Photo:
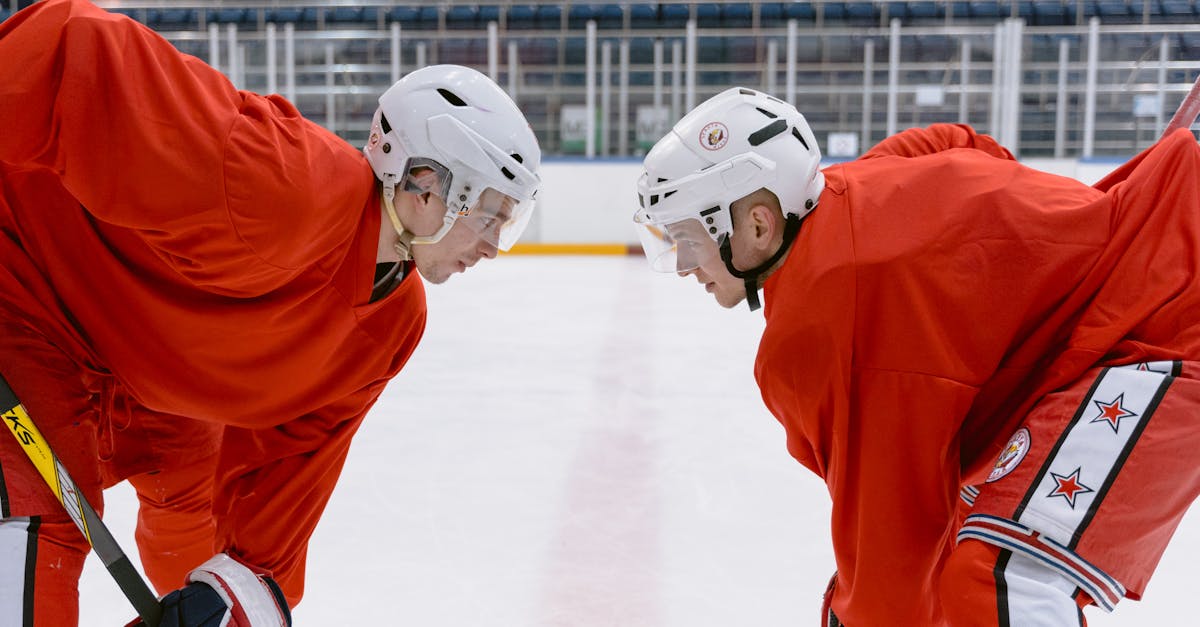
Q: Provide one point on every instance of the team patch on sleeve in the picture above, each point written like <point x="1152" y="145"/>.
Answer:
<point x="1014" y="452"/>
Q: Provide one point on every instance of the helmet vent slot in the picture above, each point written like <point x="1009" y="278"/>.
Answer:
<point x="747" y="92"/>
<point x="667" y="195"/>
<point x="766" y="113"/>
<point x="508" y="174"/>
<point x="767" y="132"/>
<point x="517" y="157"/>
<point x="383" y="124"/>
<point x="452" y="97"/>
<point x="796" y="133"/>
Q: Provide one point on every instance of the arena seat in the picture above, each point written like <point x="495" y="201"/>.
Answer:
<point x="737" y="15"/>
<point x="673" y="15"/>
<point x="708" y="16"/>
<point x="986" y="10"/>
<point x="284" y="15"/>
<point x="406" y="15"/>
<point x="520" y="17"/>
<point x="227" y="15"/>
<point x="923" y="11"/>
<point x="548" y="16"/>
<point x="488" y="13"/>
<point x="607" y="16"/>
<point x="643" y="15"/>
<point x="462" y="17"/>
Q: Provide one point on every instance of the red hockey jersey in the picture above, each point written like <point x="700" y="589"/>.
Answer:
<point x="935" y="293"/>
<point x="206" y="251"/>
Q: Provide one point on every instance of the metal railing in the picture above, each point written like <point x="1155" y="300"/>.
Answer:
<point x="1089" y="89"/>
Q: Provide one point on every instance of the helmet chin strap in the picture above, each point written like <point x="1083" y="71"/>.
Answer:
<point x="406" y="238"/>
<point x="750" y="277"/>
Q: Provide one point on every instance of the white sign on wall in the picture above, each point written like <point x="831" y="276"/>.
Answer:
<point x="1146" y="105"/>
<point x="842" y="145"/>
<point x="930" y="95"/>
<point x="651" y="125"/>
<point x="572" y="128"/>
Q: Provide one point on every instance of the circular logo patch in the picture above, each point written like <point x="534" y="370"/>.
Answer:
<point x="714" y="136"/>
<point x="1011" y="456"/>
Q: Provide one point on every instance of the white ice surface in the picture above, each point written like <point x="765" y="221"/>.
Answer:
<point x="580" y="442"/>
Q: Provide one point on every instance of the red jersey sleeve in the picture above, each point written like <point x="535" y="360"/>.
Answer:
<point x="915" y="142"/>
<point x="273" y="484"/>
<point x="156" y="141"/>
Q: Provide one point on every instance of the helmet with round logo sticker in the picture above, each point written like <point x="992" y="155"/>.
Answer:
<point x="732" y="145"/>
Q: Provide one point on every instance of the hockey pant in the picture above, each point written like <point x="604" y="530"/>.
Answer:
<point x="101" y="439"/>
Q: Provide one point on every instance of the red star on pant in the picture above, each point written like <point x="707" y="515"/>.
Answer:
<point x="1068" y="487"/>
<point x="1113" y="412"/>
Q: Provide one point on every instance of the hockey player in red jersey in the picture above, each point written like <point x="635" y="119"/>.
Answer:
<point x="204" y="293"/>
<point x="994" y="369"/>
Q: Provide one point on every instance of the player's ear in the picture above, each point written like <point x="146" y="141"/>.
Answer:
<point x="766" y="224"/>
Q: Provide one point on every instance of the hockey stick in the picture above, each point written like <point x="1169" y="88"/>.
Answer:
<point x="80" y="511"/>
<point x="1186" y="114"/>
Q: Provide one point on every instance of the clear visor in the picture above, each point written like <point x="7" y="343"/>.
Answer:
<point x="498" y="219"/>
<point x="423" y="175"/>
<point x="676" y="247"/>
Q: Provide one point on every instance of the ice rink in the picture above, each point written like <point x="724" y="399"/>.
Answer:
<point x="580" y="442"/>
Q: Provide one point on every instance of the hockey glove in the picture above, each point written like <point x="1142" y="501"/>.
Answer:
<point x="224" y="593"/>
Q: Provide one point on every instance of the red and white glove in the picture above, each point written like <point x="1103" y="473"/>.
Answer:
<point x="223" y="592"/>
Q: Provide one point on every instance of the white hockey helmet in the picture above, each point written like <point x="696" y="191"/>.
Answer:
<point x="458" y="124"/>
<point x="728" y="147"/>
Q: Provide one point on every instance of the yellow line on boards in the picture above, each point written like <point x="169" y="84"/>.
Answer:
<point x="575" y="249"/>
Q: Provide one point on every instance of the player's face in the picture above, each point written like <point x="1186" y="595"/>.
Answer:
<point x="699" y="256"/>
<point x="472" y="238"/>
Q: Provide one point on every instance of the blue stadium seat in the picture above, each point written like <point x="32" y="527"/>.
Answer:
<point x="710" y="49"/>
<point x="611" y="16"/>
<point x="737" y="15"/>
<point x="987" y="10"/>
<point x="861" y="13"/>
<point x="173" y="18"/>
<point x="488" y="13"/>
<point x="462" y="17"/>
<point x="935" y="47"/>
<point x="520" y="17"/>
<point x="575" y="50"/>
<point x="923" y="11"/>
<point x="1176" y="11"/>
<point x="1189" y="44"/>
<point x="427" y="18"/>
<point x="406" y="15"/>
<point x="1118" y="12"/>
<point x="4" y="14"/>
<point x="641" y="50"/>
<point x="643" y="15"/>
<point x="538" y="51"/>
<point x="801" y="12"/>
<point x="227" y="15"/>
<point x="708" y="16"/>
<point x="548" y="16"/>
<point x="579" y="15"/>
<point x="343" y="15"/>
<point x="834" y="12"/>
<point x="673" y="15"/>
<point x="1049" y="13"/>
<point x="770" y="14"/>
<point x="741" y="50"/>
<point x="461" y="51"/>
